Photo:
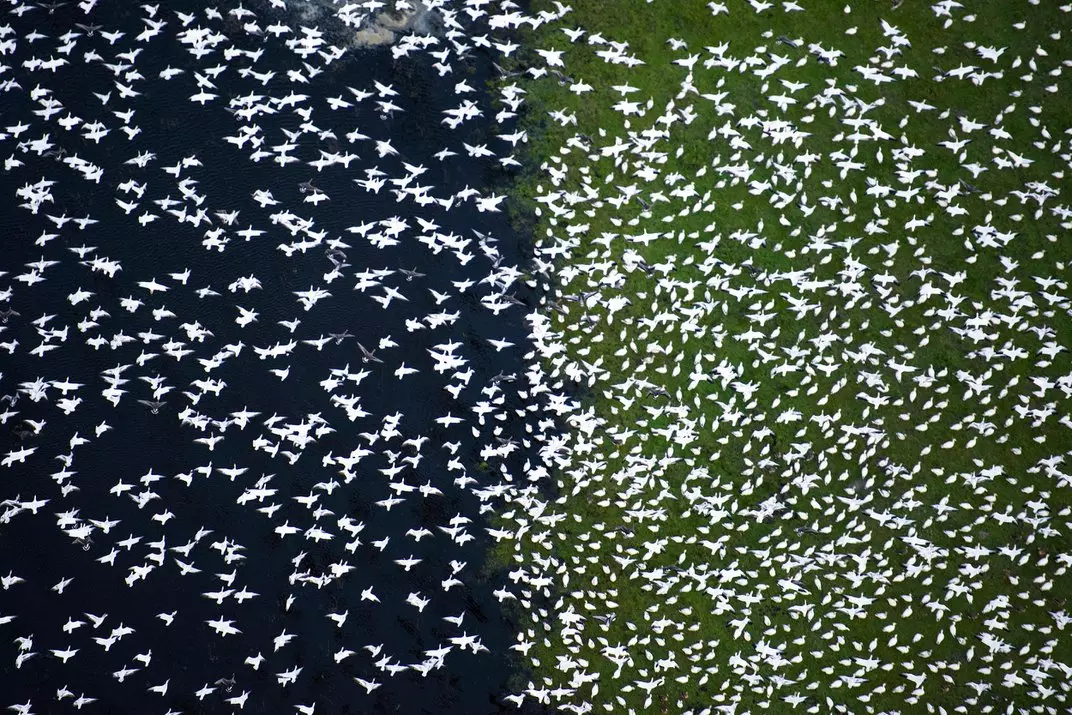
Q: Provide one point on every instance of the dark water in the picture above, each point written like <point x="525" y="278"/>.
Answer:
<point x="189" y="654"/>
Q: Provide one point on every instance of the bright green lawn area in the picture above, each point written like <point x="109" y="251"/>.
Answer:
<point x="914" y="459"/>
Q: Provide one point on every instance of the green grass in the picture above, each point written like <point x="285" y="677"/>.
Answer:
<point x="613" y="474"/>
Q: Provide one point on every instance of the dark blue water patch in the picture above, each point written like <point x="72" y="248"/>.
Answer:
<point x="188" y="654"/>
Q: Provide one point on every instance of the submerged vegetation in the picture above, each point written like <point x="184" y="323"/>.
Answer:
<point x="808" y="266"/>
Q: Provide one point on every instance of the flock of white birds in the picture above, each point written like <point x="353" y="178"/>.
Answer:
<point x="729" y="520"/>
<point x="813" y="275"/>
<point x="175" y="305"/>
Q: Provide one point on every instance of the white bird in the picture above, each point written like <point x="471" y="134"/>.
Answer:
<point x="415" y="600"/>
<point x="368" y="685"/>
